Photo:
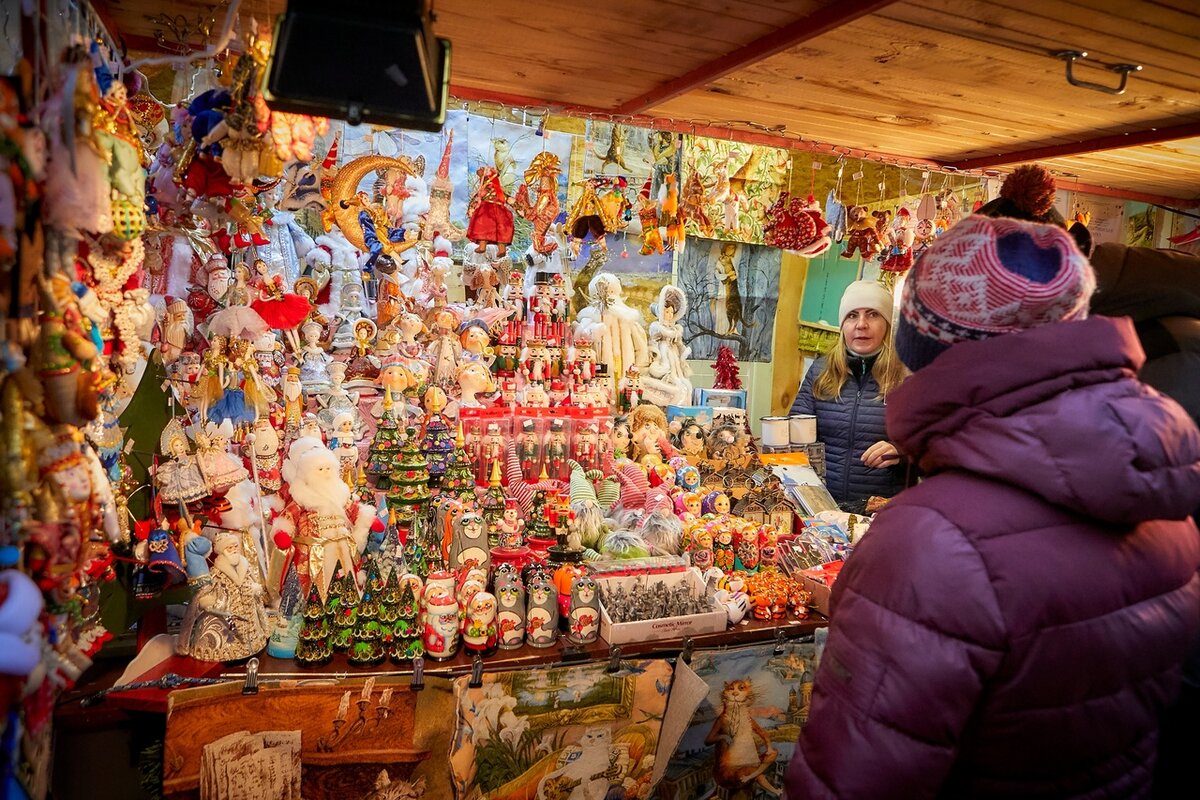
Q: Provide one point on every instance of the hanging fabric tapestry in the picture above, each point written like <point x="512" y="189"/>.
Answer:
<point x="733" y="292"/>
<point x="742" y="736"/>
<point x="562" y="733"/>
<point x="727" y="187"/>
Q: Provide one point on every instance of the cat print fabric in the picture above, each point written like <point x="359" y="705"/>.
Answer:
<point x="742" y="735"/>
<point x="560" y="733"/>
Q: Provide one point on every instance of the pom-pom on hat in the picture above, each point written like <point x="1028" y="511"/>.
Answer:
<point x="985" y="277"/>
<point x="1028" y="194"/>
<point x="866" y="294"/>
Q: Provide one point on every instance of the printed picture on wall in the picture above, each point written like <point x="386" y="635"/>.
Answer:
<point x="642" y="276"/>
<point x="349" y="740"/>
<point x="733" y="293"/>
<point x="726" y="187"/>
<point x="560" y="733"/>
<point x="616" y="149"/>
<point x="744" y="732"/>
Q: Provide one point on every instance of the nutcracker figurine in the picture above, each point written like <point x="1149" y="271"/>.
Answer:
<point x="630" y="390"/>
<point x="541" y="307"/>
<point x="535" y="362"/>
<point x="587" y="446"/>
<point x="560" y="307"/>
<point x="529" y="451"/>
<point x="492" y="449"/>
<point x="555" y="450"/>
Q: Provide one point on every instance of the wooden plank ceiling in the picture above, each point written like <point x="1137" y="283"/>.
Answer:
<point x="956" y="82"/>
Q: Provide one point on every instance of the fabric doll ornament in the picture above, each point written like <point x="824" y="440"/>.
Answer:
<point x="543" y="210"/>
<point x="647" y="212"/>
<point x="797" y="226"/>
<point x="898" y="256"/>
<point x="490" y="220"/>
<point x="179" y="480"/>
<point x="862" y="237"/>
<point x="589" y="216"/>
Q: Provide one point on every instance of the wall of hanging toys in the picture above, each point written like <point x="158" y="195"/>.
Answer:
<point x="365" y="396"/>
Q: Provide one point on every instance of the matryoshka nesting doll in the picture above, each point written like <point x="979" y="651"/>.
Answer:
<point x="479" y="636"/>
<point x="510" y="616"/>
<point x="441" y="627"/>
<point x="701" y="549"/>
<point x="747" y="557"/>
<point x="541" y="616"/>
<point x="469" y="542"/>
<point x="584" y="617"/>
<point x="723" y="553"/>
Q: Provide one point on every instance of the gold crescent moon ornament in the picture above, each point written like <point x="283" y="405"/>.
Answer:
<point x="343" y="202"/>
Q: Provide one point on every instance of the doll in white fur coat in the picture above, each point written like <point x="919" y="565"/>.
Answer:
<point x="322" y="524"/>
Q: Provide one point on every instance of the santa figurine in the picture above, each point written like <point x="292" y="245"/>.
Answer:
<point x="511" y="526"/>
<point x="322" y="525"/>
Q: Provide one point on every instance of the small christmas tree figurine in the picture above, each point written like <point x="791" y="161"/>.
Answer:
<point x="363" y="490"/>
<point x="493" y="506"/>
<point x="537" y="523"/>
<point x="438" y="445"/>
<point x="367" y="647"/>
<point x="314" y="648"/>
<point x="406" y="641"/>
<point x="726" y="370"/>
<point x="385" y="446"/>
<point x="409" y="492"/>
<point x="341" y="608"/>
<point x="459" y="479"/>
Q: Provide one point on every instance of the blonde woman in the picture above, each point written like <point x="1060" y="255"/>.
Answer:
<point x="845" y="389"/>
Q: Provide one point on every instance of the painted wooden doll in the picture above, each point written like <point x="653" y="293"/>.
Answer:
<point x="480" y="634"/>
<point x="541" y="612"/>
<point x="469" y="544"/>
<point x="510" y="619"/>
<point x="584" y="615"/>
<point x="441" y="626"/>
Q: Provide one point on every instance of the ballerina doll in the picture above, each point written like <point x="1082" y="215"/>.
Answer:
<point x="279" y="309"/>
<point x="257" y="392"/>
<point x="179" y="479"/>
<point x="314" y="361"/>
<point x="221" y="470"/>
<point x="214" y="364"/>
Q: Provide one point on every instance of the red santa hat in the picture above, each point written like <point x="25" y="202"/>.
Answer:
<point x="441" y="245"/>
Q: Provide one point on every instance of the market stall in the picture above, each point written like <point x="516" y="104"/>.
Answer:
<point x="377" y="445"/>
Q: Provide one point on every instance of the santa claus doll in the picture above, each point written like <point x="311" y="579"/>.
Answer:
<point x="322" y="525"/>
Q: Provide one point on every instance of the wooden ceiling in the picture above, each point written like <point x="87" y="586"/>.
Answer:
<point x="970" y="83"/>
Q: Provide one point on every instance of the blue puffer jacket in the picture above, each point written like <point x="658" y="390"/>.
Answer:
<point x="848" y="426"/>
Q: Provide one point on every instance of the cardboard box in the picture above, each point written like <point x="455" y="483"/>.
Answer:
<point x="702" y="414"/>
<point x="720" y="397"/>
<point x="652" y="630"/>
<point x="820" y="593"/>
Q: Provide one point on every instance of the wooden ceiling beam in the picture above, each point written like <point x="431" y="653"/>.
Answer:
<point x="828" y="18"/>
<point x="1116" y="141"/>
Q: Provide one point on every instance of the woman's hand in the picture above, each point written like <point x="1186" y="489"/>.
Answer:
<point x="881" y="454"/>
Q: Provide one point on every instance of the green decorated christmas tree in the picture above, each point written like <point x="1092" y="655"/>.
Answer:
<point x="406" y="631"/>
<point x="493" y="506"/>
<point x="341" y="609"/>
<point x="314" y="648"/>
<point x="537" y="524"/>
<point x="438" y="445"/>
<point x="409" y="492"/>
<point x="416" y="556"/>
<point x="385" y="446"/>
<point x="368" y="645"/>
<point x="389" y="605"/>
<point x="459" y="479"/>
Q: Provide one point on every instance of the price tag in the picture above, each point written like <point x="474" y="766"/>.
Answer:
<point x="857" y="176"/>
<point x="816" y="165"/>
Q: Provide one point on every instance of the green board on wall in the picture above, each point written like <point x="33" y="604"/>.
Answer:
<point x="828" y="276"/>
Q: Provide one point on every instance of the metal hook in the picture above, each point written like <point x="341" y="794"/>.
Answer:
<point x="780" y="641"/>
<point x="614" y="659"/>
<point x="418" y="677"/>
<point x="476" y="673"/>
<point x="251" y="684"/>
<point x="1123" y="70"/>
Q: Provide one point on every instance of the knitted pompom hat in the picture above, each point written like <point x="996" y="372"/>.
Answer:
<point x="986" y="277"/>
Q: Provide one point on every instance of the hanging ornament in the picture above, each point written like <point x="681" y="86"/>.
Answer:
<point x="491" y="219"/>
<point x="796" y="226"/>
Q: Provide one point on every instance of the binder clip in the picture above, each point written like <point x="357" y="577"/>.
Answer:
<point x="418" y="676"/>
<point x="614" y="659"/>
<point x="686" y="653"/>
<point x="780" y="641"/>
<point x="476" y="673"/>
<point x="251" y="684"/>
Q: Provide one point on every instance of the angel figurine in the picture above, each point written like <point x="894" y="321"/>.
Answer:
<point x="351" y="310"/>
<point x="179" y="479"/>
<point x="667" y="379"/>
<point x="314" y="361"/>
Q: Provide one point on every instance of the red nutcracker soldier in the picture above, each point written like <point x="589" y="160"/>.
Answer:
<point x="535" y="363"/>
<point x="473" y="445"/>
<point x="508" y="393"/>
<point x="560" y="306"/>
<point x="555" y="450"/>
<point x="514" y="303"/>
<point x="554" y="359"/>
<point x="558" y="395"/>
<point x="587" y="446"/>
<point x="540" y="308"/>
<point x="583" y="360"/>
<point x="529" y="451"/>
<point x="493" y="448"/>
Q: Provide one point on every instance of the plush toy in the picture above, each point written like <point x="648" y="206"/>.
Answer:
<point x="862" y="236"/>
<point x="883" y="223"/>
<point x="899" y="255"/>
<point x="796" y="226"/>
<point x="652" y="240"/>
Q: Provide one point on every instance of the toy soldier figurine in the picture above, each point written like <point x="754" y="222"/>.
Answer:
<point x="560" y="307"/>
<point x="556" y="450"/>
<point x="535" y="363"/>
<point x="529" y="451"/>
<point x="540" y="307"/>
<point x="587" y="443"/>
<point x="493" y="447"/>
<point x="630" y="390"/>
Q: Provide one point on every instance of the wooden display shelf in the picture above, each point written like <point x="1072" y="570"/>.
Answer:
<point x="747" y="632"/>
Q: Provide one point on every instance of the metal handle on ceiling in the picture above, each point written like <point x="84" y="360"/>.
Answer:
<point x="1123" y="70"/>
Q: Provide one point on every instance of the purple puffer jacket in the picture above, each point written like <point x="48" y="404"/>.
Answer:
<point x="1012" y="626"/>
